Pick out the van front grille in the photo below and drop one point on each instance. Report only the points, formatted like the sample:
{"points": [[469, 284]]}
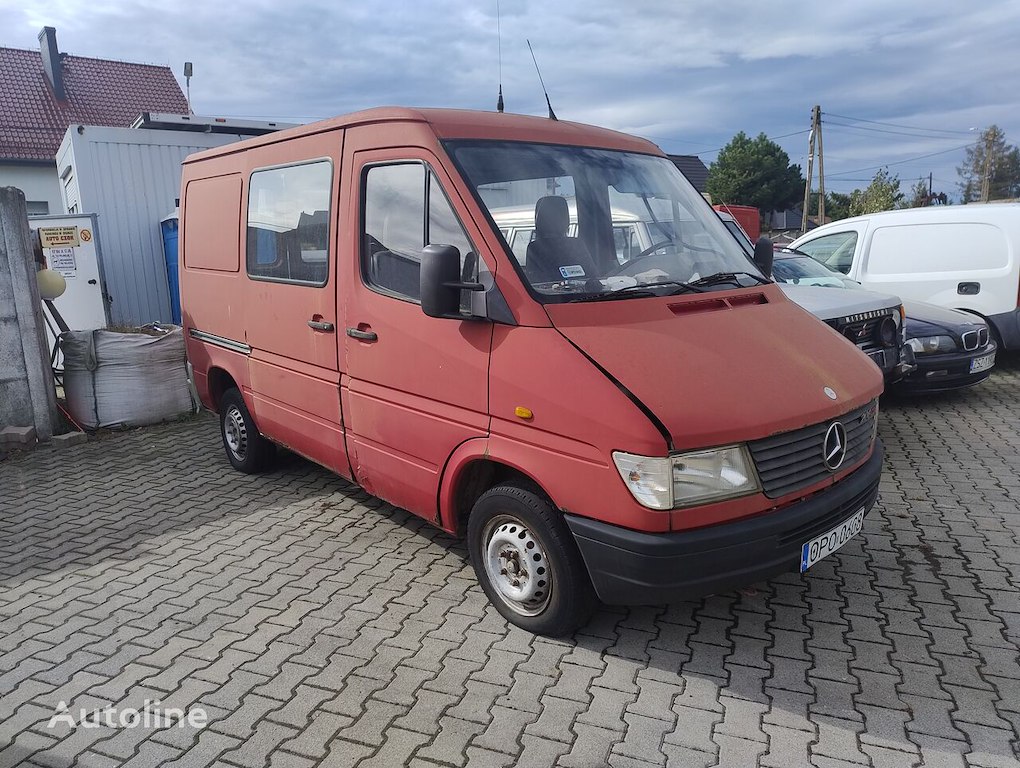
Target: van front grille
{"points": [[794, 460]]}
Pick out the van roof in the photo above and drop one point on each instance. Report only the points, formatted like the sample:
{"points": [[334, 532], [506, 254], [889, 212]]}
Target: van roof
{"points": [[458, 124], [968, 212]]}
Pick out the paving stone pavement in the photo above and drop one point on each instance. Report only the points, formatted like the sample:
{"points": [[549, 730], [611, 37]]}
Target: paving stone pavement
{"points": [[317, 626]]}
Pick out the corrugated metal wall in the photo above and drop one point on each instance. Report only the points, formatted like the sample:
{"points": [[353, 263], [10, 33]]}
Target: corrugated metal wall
{"points": [[131, 179]]}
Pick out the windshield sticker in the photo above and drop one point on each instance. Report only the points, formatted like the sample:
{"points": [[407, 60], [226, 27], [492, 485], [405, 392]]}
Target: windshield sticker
{"points": [[574, 270]]}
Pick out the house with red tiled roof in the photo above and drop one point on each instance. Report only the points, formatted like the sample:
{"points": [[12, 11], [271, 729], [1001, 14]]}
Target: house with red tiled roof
{"points": [[44, 91]]}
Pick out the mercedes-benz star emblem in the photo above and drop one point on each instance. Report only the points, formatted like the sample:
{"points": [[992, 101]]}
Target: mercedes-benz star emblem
{"points": [[834, 446], [830, 393]]}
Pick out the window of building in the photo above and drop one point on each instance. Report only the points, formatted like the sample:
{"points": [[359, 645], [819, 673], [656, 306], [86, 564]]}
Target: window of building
{"points": [[289, 223]]}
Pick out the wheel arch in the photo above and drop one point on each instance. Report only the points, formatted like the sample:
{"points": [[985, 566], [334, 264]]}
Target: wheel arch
{"points": [[992, 325], [219, 380], [470, 472]]}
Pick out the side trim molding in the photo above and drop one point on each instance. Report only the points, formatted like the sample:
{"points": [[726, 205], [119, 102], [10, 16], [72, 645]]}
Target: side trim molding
{"points": [[220, 341]]}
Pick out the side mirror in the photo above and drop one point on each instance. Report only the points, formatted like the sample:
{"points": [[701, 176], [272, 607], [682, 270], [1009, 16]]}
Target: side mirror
{"points": [[764, 255], [441, 282]]}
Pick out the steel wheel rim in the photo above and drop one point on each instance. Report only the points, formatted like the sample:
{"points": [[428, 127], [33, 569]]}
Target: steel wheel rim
{"points": [[517, 565], [235, 433]]}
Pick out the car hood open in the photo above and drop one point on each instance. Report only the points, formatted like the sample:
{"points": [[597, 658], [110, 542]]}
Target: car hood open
{"points": [[722, 367]]}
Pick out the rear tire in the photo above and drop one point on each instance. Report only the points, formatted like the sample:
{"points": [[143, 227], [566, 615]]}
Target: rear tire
{"points": [[527, 562], [247, 450]]}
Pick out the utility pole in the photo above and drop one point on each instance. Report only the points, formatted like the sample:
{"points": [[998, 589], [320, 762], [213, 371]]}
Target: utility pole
{"points": [[816, 133], [821, 167], [810, 173]]}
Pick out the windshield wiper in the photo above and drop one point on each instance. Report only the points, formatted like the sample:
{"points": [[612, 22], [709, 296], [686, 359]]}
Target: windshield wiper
{"points": [[642, 289], [720, 278]]}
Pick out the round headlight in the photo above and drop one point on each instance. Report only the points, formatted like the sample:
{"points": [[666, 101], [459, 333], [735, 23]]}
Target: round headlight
{"points": [[887, 332]]}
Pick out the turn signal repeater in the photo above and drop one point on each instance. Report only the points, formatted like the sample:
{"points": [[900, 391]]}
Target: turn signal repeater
{"points": [[523, 413]]}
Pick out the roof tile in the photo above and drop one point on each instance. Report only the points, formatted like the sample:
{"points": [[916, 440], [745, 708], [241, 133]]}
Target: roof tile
{"points": [[99, 92]]}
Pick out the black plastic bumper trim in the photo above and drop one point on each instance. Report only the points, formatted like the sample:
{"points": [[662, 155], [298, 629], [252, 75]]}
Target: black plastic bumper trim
{"points": [[633, 567]]}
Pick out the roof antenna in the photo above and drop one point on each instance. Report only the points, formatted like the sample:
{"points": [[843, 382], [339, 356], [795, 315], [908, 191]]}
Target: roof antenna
{"points": [[499, 54], [552, 115]]}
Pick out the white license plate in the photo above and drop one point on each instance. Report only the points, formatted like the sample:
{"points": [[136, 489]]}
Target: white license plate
{"points": [[979, 364], [827, 543]]}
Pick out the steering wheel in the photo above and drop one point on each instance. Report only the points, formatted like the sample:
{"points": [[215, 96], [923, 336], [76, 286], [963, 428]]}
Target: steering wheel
{"points": [[650, 250]]}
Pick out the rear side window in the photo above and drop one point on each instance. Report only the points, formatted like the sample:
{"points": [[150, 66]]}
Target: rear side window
{"points": [[405, 209], [289, 223]]}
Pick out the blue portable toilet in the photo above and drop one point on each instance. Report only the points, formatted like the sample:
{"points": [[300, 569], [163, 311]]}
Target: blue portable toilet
{"points": [[168, 227]]}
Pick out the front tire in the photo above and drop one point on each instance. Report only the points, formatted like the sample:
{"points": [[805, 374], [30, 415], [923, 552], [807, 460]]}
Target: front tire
{"points": [[247, 450], [527, 562]]}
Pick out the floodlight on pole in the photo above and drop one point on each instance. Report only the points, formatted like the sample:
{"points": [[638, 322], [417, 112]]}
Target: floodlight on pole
{"points": [[188, 71]]}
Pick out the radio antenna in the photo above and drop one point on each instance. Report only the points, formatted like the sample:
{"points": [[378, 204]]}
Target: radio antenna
{"points": [[552, 115], [499, 58]]}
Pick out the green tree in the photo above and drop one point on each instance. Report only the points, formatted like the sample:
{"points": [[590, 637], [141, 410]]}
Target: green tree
{"points": [[754, 172], [917, 197], [837, 206], [992, 156], [882, 194]]}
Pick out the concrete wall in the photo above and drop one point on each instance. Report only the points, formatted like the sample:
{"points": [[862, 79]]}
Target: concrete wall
{"points": [[27, 397], [39, 182]]}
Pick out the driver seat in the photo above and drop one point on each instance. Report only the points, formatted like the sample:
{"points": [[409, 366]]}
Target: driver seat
{"points": [[552, 250]]}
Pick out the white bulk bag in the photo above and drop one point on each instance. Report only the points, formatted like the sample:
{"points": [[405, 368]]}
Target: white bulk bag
{"points": [[125, 379]]}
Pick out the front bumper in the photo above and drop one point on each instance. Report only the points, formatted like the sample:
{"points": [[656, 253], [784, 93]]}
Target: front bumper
{"points": [[632, 567], [937, 373]]}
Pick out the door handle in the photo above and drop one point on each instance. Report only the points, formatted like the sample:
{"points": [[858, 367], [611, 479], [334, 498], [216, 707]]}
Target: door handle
{"points": [[319, 325], [357, 333], [968, 289]]}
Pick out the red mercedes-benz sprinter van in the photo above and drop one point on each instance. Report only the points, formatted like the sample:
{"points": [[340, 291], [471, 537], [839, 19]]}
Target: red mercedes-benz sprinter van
{"points": [[638, 429]]}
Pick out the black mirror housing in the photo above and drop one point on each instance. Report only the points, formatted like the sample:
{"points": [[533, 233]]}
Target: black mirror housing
{"points": [[764, 255], [441, 282]]}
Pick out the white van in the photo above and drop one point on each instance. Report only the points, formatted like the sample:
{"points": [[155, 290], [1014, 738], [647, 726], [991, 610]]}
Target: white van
{"points": [[959, 257], [631, 235]]}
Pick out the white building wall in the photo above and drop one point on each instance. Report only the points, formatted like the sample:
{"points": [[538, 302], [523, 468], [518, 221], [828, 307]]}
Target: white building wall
{"points": [[39, 182], [131, 179]]}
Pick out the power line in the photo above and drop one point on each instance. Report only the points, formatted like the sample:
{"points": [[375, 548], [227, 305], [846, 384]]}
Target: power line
{"points": [[832, 124], [897, 125], [770, 138], [679, 140], [908, 160]]}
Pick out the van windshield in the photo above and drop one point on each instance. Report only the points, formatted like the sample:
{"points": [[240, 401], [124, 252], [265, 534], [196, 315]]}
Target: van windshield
{"points": [[585, 224]]}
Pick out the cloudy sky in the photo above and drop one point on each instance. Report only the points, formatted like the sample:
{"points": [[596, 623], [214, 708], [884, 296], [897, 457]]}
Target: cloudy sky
{"points": [[900, 84]]}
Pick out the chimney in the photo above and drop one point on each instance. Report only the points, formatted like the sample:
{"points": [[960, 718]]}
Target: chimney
{"points": [[51, 61]]}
